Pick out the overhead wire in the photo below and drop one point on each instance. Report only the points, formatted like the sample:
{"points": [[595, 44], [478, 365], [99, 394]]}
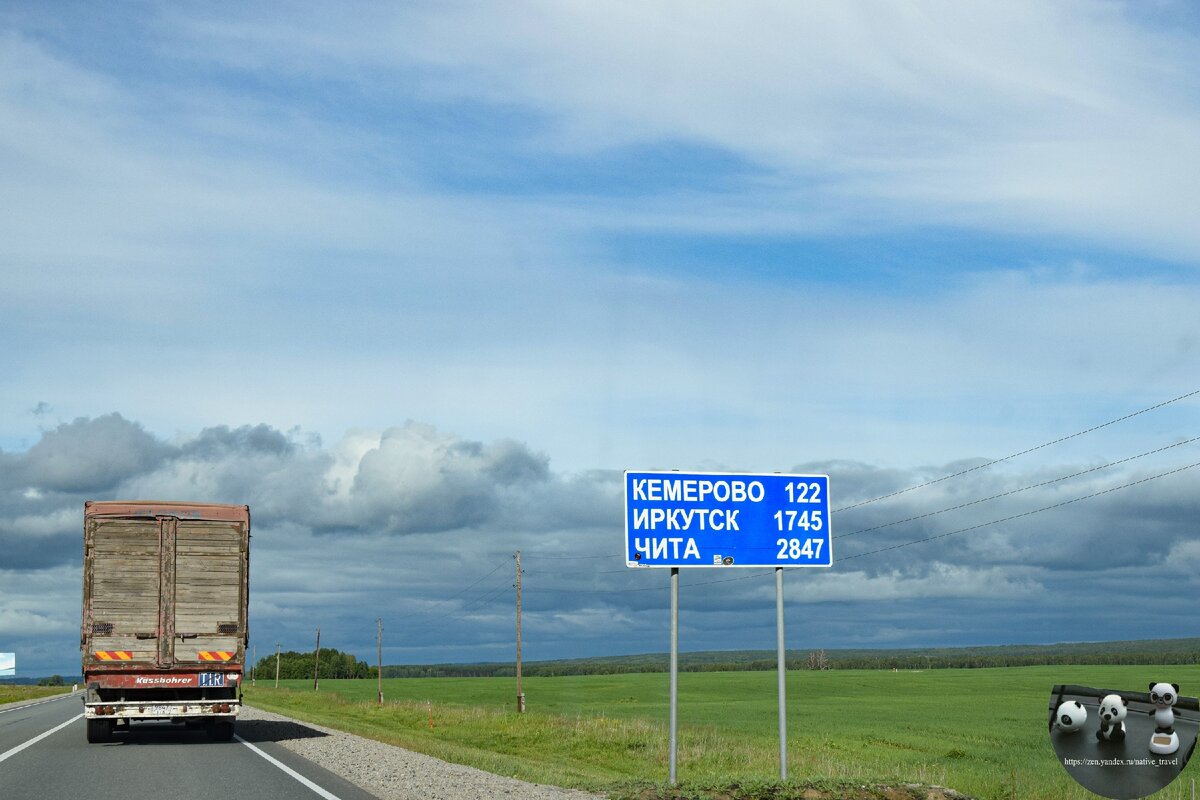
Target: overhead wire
{"points": [[566, 558], [911, 543], [1011, 456], [474, 584], [480, 601], [1022, 514], [932, 538], [469, 606], [1016, 491], [957, 507]]}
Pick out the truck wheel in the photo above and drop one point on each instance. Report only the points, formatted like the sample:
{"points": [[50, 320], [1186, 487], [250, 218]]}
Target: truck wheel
{"points": [[221, 731], [99, 731]]}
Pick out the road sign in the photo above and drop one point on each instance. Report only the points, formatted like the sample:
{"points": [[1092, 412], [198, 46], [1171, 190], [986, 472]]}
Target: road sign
{"points": [[726, 519]]}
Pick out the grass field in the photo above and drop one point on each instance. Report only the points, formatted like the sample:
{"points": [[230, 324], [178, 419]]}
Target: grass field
{"points": [[982, 732], [11, 693]]}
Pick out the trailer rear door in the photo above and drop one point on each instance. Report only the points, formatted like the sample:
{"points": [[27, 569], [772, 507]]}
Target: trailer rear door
{"points": [[210, 578], [122, 559]]}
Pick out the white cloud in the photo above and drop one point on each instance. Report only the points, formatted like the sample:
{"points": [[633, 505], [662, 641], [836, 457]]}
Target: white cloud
{"points": [[418, 523], [1059, 118], [486, 313]]}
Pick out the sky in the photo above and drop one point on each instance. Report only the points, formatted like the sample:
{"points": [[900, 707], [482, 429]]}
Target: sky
{"points": [[417, 282]]}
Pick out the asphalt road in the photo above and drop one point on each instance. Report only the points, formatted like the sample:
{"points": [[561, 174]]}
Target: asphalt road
{"points": [[44, 754]]}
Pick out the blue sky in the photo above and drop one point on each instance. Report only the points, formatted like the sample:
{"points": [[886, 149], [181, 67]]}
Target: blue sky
{"points": [[417, 282]]}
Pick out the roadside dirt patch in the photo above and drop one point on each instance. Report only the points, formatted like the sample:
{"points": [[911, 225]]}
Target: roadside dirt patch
{"points": [[792, 792]]}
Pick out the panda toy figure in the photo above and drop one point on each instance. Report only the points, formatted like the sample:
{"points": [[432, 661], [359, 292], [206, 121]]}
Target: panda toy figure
{"points": [[1112, 719], [1070, 716], [1164, 740]]}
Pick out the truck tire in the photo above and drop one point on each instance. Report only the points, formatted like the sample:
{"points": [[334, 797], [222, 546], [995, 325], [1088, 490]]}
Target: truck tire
{"points": [[221, 731], [99, 731]]}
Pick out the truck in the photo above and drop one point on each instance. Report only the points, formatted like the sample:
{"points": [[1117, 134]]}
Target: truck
{"points": [[164, 630]]}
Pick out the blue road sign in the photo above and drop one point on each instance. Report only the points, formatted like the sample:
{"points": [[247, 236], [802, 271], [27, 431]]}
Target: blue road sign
{"points": [[726, 519]]}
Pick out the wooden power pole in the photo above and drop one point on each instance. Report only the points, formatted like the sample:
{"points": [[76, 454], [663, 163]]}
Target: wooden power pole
{"points": [[520, 694], [317, 662], [277, 665], [379, 645]]}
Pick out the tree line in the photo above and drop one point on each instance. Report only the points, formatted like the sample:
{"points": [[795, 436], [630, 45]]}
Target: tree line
{"points": [[1171, 651], [297, 666], [335, 664]]}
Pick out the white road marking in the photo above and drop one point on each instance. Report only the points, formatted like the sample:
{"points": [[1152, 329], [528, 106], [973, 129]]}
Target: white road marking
{"points": [[38, 738], [323, 793], [38, 703]]}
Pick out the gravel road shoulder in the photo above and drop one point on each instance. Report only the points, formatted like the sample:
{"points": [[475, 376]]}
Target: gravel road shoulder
{"points": [[387, 771]]}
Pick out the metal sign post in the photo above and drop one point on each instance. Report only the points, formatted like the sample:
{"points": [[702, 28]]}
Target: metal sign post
{"points": [[782, 673], [727, 519], [674, 743]]}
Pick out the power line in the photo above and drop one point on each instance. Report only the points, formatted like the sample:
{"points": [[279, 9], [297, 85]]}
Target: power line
{"points": [[465, 611], [964, 472], [567, 558], [1021, 453], [958, 507], [652, 588], [471, 586], [469, 606], [481, 602], [1016, 491], [1018, 516], [899, 546]]}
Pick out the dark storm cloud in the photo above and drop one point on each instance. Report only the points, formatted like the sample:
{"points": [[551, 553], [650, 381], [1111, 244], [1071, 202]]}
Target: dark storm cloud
{"points": [[421, 525], [414, 479], [87, 455], [28, 553], [410, 479], [222, 440]]}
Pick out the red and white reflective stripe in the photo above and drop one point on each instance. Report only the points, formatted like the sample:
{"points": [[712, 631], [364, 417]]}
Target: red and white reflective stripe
{"points": [[114, 655]]}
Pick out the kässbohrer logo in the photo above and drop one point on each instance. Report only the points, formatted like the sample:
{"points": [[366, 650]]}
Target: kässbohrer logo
{"points": [[163, 680]]}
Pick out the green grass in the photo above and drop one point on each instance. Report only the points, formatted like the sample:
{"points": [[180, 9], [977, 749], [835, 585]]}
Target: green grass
{"points": [[12, 693], [982, 731]]}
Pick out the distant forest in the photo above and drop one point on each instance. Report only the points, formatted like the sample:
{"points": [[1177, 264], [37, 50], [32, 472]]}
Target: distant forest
{"points": [[1159, 651], [296, 666], [336, 664]]}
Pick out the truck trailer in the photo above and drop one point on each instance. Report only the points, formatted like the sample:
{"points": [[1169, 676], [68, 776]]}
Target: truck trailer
{"points": [[164, 632]]}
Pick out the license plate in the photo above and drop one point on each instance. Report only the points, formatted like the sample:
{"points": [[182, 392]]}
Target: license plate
{"points": [[160, 710]]}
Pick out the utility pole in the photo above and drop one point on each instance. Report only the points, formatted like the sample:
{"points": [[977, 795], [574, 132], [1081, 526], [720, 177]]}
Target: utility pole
{"points": [[520, 694], [253, 665], [317, 662], [379, 644], [277, 665]]}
